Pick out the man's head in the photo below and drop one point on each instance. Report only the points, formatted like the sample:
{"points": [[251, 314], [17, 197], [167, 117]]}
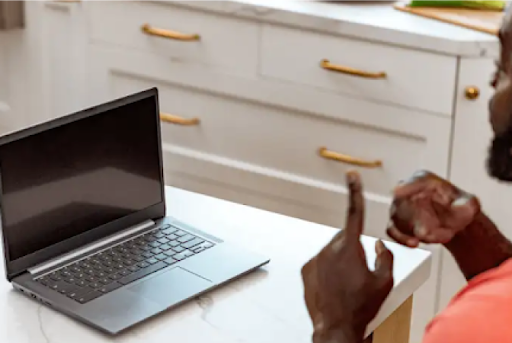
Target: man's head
{"points": [[499, 163]]}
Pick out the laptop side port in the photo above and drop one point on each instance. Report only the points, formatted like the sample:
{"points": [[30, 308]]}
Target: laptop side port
{"points": [[33, 296]]}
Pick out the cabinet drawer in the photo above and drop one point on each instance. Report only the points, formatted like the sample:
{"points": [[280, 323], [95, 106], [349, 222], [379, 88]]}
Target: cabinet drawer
{"points": [[290, 142], [186, 36], [371, 71]]}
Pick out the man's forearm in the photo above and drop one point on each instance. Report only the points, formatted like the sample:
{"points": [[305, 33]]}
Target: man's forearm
{"points": [[480, 247]]}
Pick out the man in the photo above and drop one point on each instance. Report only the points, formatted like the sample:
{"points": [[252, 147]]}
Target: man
{"points": [[425, 209]]}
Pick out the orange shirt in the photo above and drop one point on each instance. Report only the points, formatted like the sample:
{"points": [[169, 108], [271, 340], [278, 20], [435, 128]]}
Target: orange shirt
{"points": [[480, 313]]}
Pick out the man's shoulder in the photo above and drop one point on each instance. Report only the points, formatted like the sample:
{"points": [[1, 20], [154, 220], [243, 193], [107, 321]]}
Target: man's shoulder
{"points": [[481, 312], [472, 320]]}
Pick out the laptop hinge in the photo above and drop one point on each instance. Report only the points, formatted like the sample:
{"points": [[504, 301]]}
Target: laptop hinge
{"points": [[97, 246]]}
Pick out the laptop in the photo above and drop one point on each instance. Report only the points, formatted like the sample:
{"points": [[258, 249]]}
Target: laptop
{"points": [[83, 219]]}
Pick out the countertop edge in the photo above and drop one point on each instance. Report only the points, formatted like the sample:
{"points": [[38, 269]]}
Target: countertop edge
{"points": [[402, 291], [474, 44]]}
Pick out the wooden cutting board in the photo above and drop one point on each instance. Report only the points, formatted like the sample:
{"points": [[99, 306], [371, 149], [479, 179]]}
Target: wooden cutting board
{"points": [[483, 21]]}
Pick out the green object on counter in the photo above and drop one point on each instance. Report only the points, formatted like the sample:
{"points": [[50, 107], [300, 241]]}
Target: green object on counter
{"points": [[480, 5]]}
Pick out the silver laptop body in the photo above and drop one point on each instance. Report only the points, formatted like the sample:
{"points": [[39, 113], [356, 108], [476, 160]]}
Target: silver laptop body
{"points": [[83, 219]]}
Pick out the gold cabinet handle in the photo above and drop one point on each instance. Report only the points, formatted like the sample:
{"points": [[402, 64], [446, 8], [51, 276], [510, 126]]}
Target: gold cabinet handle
{"points": [[154, 31], [472, 93], [331, 155], [351, 71], [170, 118]]}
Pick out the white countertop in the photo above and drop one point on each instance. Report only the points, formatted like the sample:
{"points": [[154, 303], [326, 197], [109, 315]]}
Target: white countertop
{"points": [[265, 306], [372, 21]]}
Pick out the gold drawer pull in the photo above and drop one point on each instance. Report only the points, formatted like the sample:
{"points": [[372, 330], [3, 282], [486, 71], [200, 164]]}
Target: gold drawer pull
{"points": [[153, 31], [351, 71], [331, 155], [170, 118]]}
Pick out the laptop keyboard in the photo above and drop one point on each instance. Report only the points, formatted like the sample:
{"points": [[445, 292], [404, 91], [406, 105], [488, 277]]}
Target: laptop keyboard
{"points": [[125, 263]]}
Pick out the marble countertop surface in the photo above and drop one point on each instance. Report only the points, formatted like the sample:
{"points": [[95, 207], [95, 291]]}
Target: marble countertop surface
{"points": [[371, 21], [265, 306]]}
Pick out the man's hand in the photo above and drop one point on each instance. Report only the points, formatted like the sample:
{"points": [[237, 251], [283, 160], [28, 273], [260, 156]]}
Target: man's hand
{"points": [[429, 209], [342, 295]]}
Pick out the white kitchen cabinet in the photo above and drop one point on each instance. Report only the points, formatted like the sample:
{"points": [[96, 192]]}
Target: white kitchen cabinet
{"points": [[215, 42], [43, 66], [20, 66], [471, 139], [322, 61], [64, 58], [240, 135], [17, 56], [13, 81]]}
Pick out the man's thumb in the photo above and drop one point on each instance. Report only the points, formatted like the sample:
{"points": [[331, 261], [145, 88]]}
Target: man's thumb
{"points": [[383, 262]]}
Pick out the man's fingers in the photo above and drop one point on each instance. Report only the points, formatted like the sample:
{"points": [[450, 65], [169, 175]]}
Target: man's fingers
{"points": [[418, 182], [428, 227], [355, 213], [407, 189], [402, 215], [440, 235], [463, 211], [383, 262], [412, 185], [310, 281], [402, 238]]}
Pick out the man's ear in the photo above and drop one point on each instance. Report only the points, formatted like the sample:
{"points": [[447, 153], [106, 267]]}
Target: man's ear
{"points": [[505, 51], [505, 38]]}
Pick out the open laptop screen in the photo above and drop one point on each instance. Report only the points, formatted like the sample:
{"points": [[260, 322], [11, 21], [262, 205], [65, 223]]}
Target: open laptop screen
{"points": [[62, 182]]}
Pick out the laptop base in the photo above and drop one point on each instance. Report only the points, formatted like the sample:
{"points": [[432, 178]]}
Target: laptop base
{"points": [[164, 289]]}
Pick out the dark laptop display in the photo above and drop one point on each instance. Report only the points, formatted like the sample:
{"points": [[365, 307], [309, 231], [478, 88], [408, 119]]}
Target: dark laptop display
{"points": [[62, 182]]}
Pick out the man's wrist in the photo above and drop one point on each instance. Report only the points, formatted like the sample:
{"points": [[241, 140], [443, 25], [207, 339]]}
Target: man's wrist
{"points": [[479, 247], [466, 237], [343, 334]]}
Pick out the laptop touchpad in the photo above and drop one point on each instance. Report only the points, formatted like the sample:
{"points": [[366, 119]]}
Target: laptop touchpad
{"points": [[171, 287]]}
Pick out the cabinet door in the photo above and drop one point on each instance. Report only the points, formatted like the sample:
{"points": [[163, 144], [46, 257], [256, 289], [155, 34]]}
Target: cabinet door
{"points": [[472, 136], [13, 80], [43, 66], [21, 66], [63, 58], [5, 108]]}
